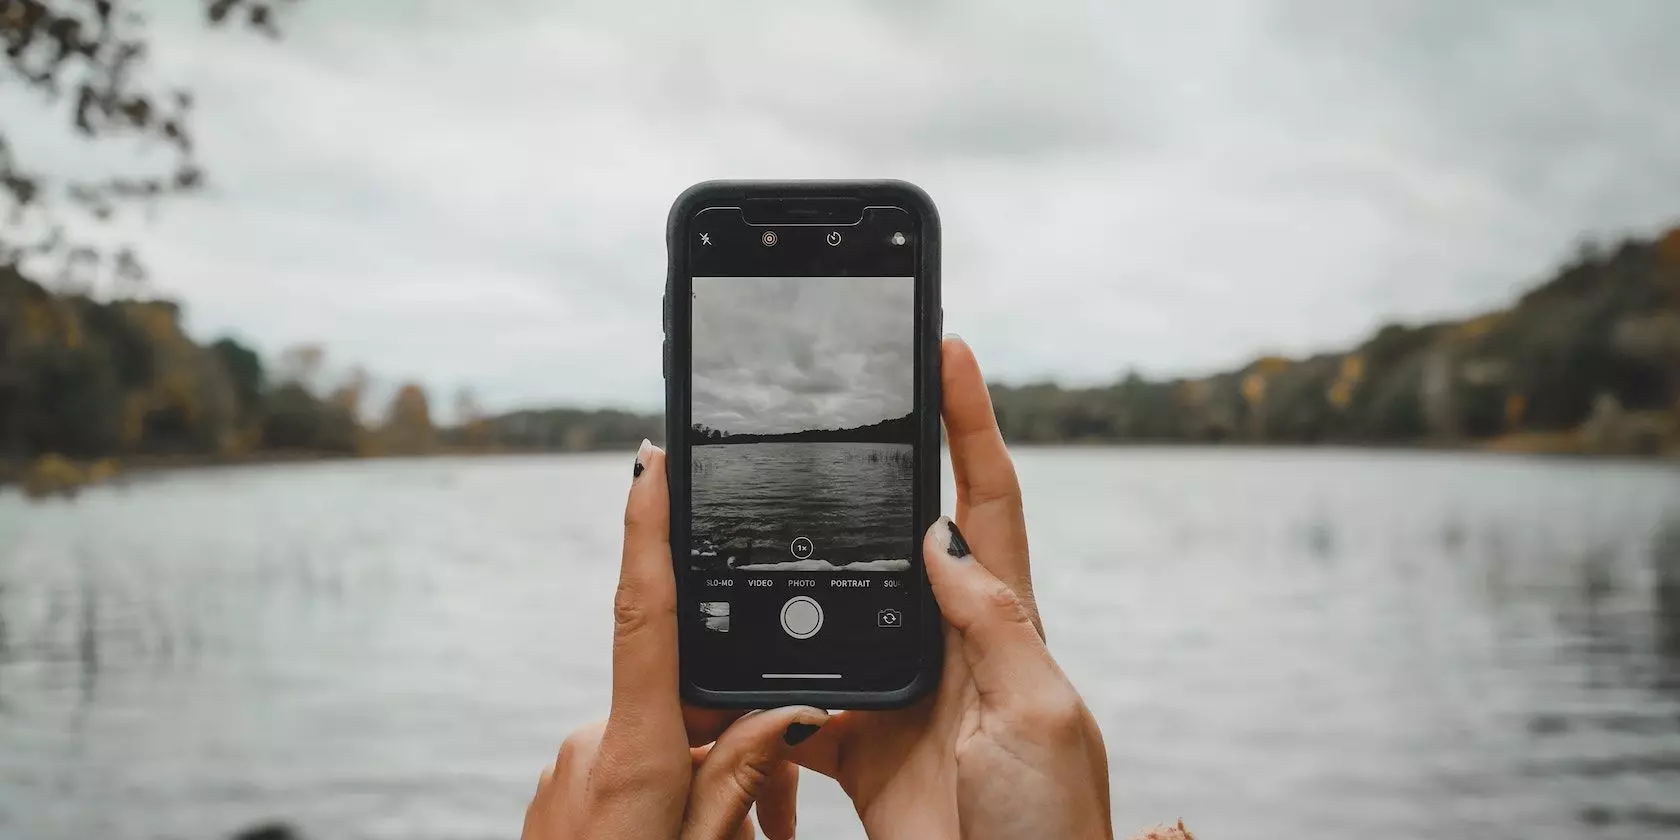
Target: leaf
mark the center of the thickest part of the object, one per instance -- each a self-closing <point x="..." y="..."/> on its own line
<point x="138" y="110"/>
<point x="87" y="101"/>
<point x="189" y="177"/>
<point x="177" y="135"/>
<point x="218" y="10"/>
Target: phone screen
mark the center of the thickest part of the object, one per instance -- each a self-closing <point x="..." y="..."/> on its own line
<point x="803" y="545"/>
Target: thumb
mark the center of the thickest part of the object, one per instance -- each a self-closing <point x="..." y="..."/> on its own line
<point x="1006" y="657"/>
<point x="740" y="767"/>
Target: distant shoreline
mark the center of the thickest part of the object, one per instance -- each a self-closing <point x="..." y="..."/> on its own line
<point x="1586" y="363"/>
<point x="13" y="472"/>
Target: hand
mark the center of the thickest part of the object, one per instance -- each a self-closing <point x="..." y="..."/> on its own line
<point x="639" y="775"/>
<point x="1005" y="748"/>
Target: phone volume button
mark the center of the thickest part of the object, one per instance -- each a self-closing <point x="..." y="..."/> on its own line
<point x="665" y="366"/>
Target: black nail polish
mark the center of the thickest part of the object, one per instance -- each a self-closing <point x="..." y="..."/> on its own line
<point x="637" y="473"/>
<point x="797" y="733"/>
<point x="959" y="546"/>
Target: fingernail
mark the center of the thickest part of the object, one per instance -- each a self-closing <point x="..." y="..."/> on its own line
<point x="797" y="733"/>
<point x="955" y="545"/>
<point x="640" y="451"/>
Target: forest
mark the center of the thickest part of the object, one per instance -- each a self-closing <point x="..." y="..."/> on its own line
<point x="890" y="430"/>
<point x="1587" y="362"/>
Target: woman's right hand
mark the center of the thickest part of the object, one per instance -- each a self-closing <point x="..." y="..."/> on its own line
<point x="1005" y="748"/>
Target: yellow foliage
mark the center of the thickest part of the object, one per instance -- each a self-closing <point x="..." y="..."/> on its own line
<point x="408" y="423"/>
<point x="157" y="321"/>
<point x="1341" y="393"/>
<point x="367" y="444"/>
<point x="55" y="475"/>
<point x="1514" y="406"/>
<point x="1477" y="327"/>
<point x="476" y="433"/>
<point x="51" y="475"/>
<point x="1192" y="392"/>
<point x="1668" y="247"/>
<point x="102" y="470"/>
<point x="1254" y="388"/>
<point x="38" y="321"/>
<point x="1353" y="367"/>
<point x="1271" y="365"/>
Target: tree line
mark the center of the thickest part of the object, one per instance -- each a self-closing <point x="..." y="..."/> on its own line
<point x="83" y="378"/>
<point x="1588" y="361"/>
<point x="890" y="430"/>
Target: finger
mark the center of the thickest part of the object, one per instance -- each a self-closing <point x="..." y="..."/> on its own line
<point x="988" y="491"/>
<point x="562" y="786"/>
<point x="705" y="725"/>
<point x="536" y="818"/>
<point x="776" y="803"/>
<point x="1006" y="657"/>
<point x="738" y="769"/>
<point x="576" y="756"/>
<point x="821" y="752"/>
<point x="536" y="813"/>
<point x="644" y="684"/>
<point x="745" y="830"/>
<point x="644" y="732"/>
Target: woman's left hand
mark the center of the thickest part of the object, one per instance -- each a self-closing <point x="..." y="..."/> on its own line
<point x="636" y="776"/>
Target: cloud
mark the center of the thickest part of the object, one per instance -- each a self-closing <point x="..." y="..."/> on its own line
<point x="442" y="193"/>
<point x="778" y="354"/>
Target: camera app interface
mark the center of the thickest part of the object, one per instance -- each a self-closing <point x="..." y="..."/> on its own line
<point x="802" y="441"/>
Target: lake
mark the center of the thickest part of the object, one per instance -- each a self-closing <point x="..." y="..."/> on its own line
<point x="852" y="501"/>
<point x="1304" y="644"/>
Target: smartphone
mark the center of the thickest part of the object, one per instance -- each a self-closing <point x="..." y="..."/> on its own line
<point x="802" y="326"/>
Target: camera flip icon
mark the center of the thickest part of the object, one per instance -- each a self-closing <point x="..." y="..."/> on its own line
<point x="889" y="618"/>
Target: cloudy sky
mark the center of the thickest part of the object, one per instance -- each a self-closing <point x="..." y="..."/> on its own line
<point x="777" y="354"/>
<point x="476" y="192"/>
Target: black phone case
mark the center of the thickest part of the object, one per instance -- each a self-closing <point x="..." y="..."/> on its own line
<point x="930" y="325"/>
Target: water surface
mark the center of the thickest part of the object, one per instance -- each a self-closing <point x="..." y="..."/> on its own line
<point x="852" y="501"/>
<point x="1278" y="644"/>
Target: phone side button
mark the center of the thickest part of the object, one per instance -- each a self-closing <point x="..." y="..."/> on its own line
<point x="665" y="364"/>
